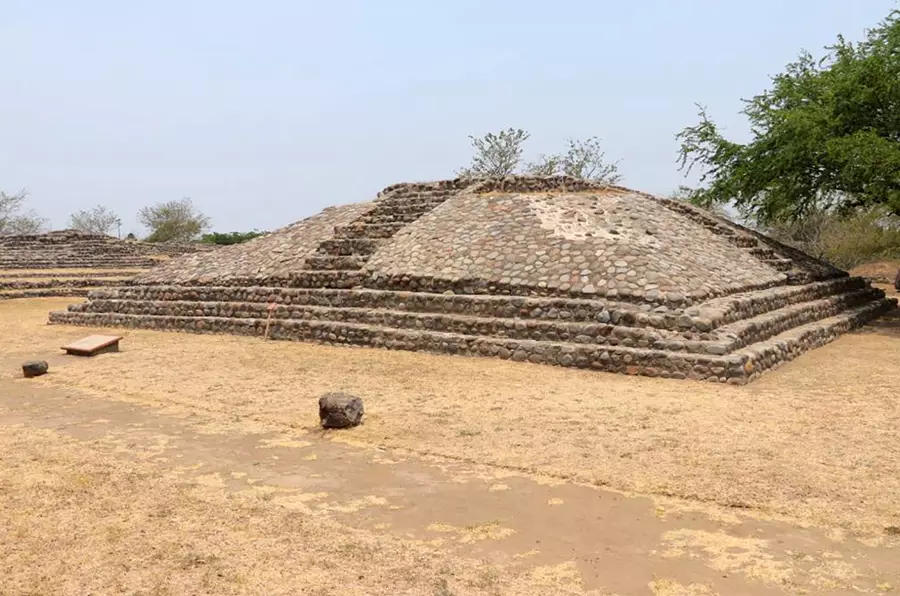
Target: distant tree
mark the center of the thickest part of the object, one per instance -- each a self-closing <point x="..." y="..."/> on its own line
<point x="231" y="237"/>
<point x="173" y="221"/>
<point x="496" y="155"/>
<point x="12" y="221"/>
<point x="825" y="137"/>
<point x="584" y="159"/>
<point x="96" y="220"/>
<point x="130" y="236"/>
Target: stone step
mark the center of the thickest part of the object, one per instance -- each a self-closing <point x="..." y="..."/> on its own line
<point x="762" y="327"/>
<point x="408" y="204"/>
<point x="480" y="305"/>
<point x="348" y="246"/>
<point x="72" y="264"/>
<point x="20" y="273"/>
<point x="780" y="264"/>
<point x="532" y="329"/>
<point x="418" y="195"/>
<point x="375" y="231"/>
<point x="784" y="347"/>
<point x="303" y="279"/>
<point x="333" y="262"/>
<point x="718" y="342"/>
<point x="745" y="305"/>
<point x="693" y="324"/>
<point x="608" y="358"/>
<point x="763" y="253"/>
<point x="391" y="217"/>
<point x="738" y="367"/>
<point x="56" y="282"/>
<point x="309" y="279"/>
<point x="44" y="293"/>
<point x="744" y="241"/>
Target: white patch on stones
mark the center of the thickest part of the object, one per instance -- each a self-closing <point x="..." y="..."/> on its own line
<point x="580" y="217"/>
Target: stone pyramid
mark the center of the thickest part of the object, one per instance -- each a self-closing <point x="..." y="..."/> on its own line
<point x="549" y="270"/>
<point x="72" y="263"/>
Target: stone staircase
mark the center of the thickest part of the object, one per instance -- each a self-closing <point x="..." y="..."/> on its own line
<point x="780" y="257"/>
<point x="396" y="208"/>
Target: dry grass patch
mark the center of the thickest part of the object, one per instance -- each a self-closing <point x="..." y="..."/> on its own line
<point x="75" y="522"/>
<point x="815" y="440"/>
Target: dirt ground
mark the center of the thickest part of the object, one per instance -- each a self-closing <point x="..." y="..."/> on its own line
<point x="881" y="272"/>
<point x="192" y="464"/>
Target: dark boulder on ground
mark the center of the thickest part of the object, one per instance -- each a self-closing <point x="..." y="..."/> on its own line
<point x="35" y="368"/>
<point x="340" y="410"/>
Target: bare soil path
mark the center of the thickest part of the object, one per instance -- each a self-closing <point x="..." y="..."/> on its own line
<point x="109" y="487"/>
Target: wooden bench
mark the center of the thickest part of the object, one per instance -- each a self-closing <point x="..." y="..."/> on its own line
<point x="93" y="345"/>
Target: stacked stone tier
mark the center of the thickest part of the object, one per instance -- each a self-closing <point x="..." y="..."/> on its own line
<point x="725" y="339"/>
<point x="72" y="249"/>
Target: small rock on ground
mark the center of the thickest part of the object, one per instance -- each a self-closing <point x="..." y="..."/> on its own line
<point x="35" y="368"/>
<point x="340" y="410"/>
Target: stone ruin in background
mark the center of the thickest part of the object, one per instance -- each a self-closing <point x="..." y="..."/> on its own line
<point x="543" y="270"/>
<point x="70" y="263"/>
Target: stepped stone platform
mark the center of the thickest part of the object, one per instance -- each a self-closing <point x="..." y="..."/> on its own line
<point x="548" y="270"/>
<point x="71" y="263"/>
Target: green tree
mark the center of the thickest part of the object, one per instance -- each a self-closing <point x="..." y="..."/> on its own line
<point x="825" y="137"/>
<point x="96" y="220"/>
<point x="173" y="221"/>
<point x="12" y="220"/>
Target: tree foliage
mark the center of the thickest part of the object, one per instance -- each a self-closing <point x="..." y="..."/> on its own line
<point x="496" y="155"/>
<point x="500" y="154"/>
<point x="173" y="221"/>
<point x="225" y="239"/>
<point x="96" y="220"/>
<point x="13" y="220"/>
<point x="826" y="136"/>
<point x="583" y="159"/>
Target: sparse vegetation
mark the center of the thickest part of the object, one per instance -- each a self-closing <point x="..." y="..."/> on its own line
<point x="500" y="154"/>
<point x="173" y="221"/>
<point x="12" y="218"/>
<point x="845" y="241"/>
<point x="96" y="220"/>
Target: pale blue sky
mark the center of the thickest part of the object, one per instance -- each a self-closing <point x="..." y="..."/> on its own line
<point x="265" y="112"/>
